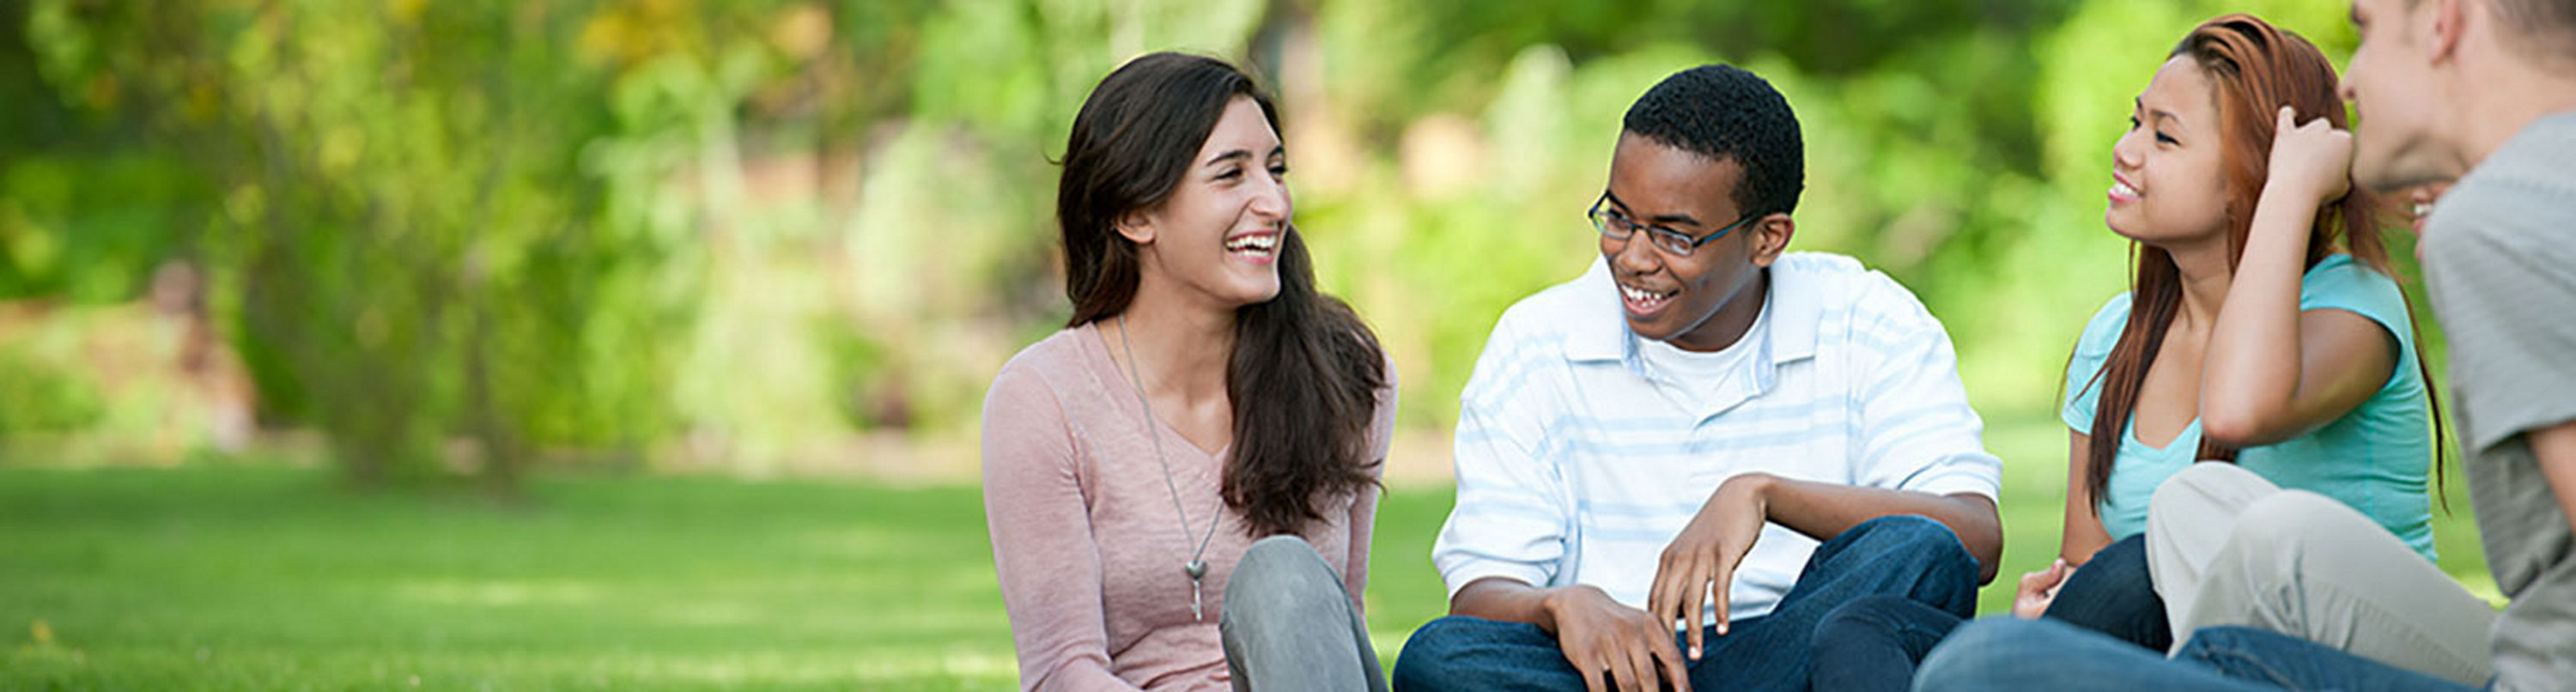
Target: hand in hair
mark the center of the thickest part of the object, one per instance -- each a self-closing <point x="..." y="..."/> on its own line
<point x="2313" y="159"/>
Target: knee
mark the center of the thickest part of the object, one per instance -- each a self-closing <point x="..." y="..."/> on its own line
<point x="1905" y="532"/>
<point x="1914" y="541"/>
<point x="2224" y="647"/>
<point x="2122" y="565"/>
<point x="2278" y="530"/>
<point x="1279" y="557"/>
<point x="2201" y="504"/>
<point x="1433" y="657"/>
<point x="2200" y="486"/>
<point x="1974" y="656"/>
<point x="1279" y="575"/>
<point x="2291" y="520"/>
<point x="2206" y="640"/>
<point x="1861" y="619"/>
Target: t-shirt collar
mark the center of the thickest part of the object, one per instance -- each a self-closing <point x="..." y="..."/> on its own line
<point x="1602" y="334"/>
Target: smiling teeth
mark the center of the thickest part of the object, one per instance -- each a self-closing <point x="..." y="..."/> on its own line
<point x="1262" y="242"/>
<point x="2123" y="189"/>
<point x="1643" y="296"/>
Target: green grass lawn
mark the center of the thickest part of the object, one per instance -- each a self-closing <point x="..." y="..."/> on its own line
<point x="274" y="578"/>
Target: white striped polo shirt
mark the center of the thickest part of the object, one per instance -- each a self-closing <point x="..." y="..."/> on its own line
<point x="1578" y="460"/>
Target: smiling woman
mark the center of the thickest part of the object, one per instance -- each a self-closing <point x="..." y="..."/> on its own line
<point x="2263" y="330"/>
<point x="1203" y="396"/>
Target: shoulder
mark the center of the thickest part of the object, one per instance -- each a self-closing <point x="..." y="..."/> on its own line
<point x="2535" y="160"/>
<point x="1556" y="309"/>
<point x="1043" y="371"/>
<point x="2340" y="273"/>
<point x="1836" y="278"/>
<point x="1846" y="303"/>
<point x="1382" y="413"/>
<point x="2103" y="329"/>
<point x="1034" y="414"/>
<point x="1840" y="285"/>
<point x="2342" y="282"/>
<point x="2514" y="204"/>
<point x="2495" y="222"/>
<point x="1541" y="323"/>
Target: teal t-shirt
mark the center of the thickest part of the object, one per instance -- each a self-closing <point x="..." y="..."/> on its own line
<point x="2375" y="459"/>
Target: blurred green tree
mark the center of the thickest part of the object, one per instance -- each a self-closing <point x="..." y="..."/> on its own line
<point x="460" y="237"/>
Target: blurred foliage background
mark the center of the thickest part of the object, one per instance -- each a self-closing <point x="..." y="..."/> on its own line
<point x="456" y="240"/>
<point x="535" y="247"/>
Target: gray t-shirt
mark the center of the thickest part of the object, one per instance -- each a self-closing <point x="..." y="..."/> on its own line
<point x="2500" y="260"/>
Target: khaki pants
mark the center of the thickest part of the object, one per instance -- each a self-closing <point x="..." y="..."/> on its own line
<point x="2226" y="547"/>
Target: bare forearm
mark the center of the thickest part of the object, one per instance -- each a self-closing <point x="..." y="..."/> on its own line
<point x="1504" y="600"/>
<point x="2251" y="371"/>
<point x="2555" y="450"/>
<point x="1825" y="510"/>
<point x="2084" y="536"/>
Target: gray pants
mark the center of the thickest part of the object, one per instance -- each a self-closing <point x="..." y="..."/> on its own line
<point x="2226" y="547"/>
<point x="1289" y="625"/>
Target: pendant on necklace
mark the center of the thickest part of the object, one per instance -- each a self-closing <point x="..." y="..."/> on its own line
<point x="1196" y="569"/>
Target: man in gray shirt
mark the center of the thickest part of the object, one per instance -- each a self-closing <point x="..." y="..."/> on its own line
<point x="2482" y="92"/>
<point x="2500" y="261"/>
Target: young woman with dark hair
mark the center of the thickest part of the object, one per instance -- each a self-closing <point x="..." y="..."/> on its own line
<point x="1207" y="423"/>
<point x="2262" y="330"/>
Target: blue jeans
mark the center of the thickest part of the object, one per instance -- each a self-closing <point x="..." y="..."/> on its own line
<point x="2113" y="594"/>
<point x="2009" y="654"/>
<point x="1288" y="624"/>
<point x="1907" y="556"/>
<point x="1874" y="642"/>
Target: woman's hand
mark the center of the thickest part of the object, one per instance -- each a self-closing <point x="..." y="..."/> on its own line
<point x="2038" y="589"/>
<point x="1602" y="638"/>
<point x="2313" y="160"/>
<point x="1700" y="563"/>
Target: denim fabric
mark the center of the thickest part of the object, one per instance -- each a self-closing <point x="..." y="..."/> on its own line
<point x="1905" y="556"/>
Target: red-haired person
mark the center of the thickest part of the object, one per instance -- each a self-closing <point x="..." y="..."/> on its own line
<point x="2304" y="593"/>
<point x="2263" y="336"/>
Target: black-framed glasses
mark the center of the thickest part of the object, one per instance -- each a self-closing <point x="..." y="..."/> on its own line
<point x="1618" y="226"/>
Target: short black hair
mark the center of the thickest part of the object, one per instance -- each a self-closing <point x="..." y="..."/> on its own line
<point x="1724" y="112"/>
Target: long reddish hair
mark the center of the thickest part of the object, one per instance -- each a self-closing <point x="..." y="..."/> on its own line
<point x="2253" y="68"/>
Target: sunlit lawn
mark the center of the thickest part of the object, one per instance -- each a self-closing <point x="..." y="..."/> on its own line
<point x="273" y="578"/>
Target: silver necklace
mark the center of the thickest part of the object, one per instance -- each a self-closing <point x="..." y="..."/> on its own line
<point x="1196" y="568"/>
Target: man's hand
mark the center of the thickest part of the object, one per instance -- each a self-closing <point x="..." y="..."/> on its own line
<point x="1700" y="563"/>
<point x="1600" y="636"/>
<point x="2038" y="589"/>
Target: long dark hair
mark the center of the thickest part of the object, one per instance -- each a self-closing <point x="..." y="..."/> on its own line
<point x="2254" y="68"/>
<point x="1305" y="370"/>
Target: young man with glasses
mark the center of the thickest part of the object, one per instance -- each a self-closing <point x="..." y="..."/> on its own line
<point x="1702" y="434"/>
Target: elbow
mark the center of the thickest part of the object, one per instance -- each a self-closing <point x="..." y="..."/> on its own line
<point x="2238" y="428"/>
<point x="1981" y="533"/>
<point x="1989" y="554"/>
<point x="2226" y="427"/>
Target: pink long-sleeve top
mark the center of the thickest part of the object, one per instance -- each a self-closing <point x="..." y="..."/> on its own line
<point x="1085" y="537"/>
